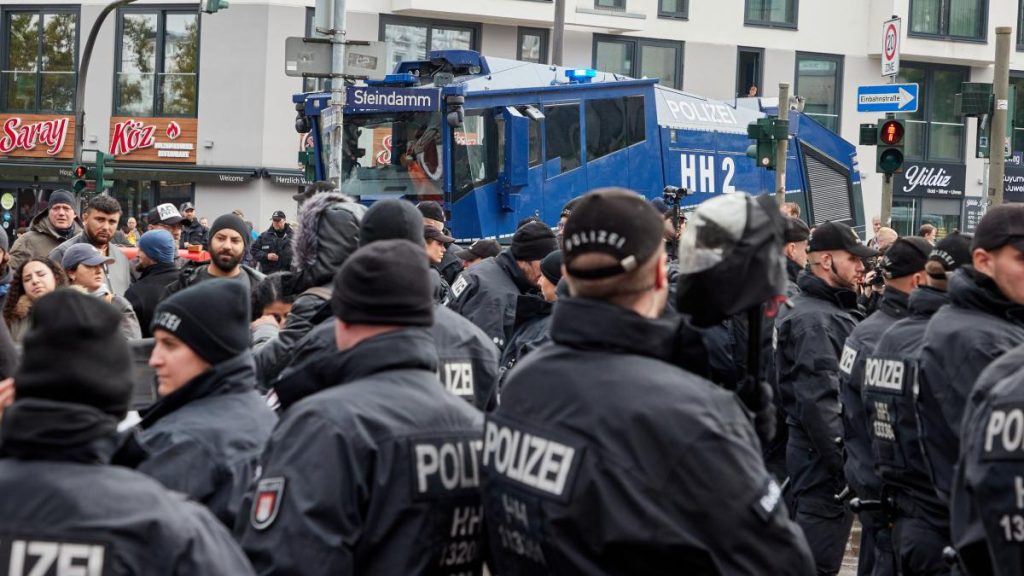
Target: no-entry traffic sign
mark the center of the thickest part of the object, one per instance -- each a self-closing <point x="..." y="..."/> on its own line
<point x="891" y="47"/>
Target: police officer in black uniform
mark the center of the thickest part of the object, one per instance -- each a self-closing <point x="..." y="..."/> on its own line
<point x="902" y="267"/>
<point x="985" y="318"/>
<point x="921" y="521"/>
<point x="376" y="474"/>
<point x="273" y="249"/>
<point x="486" y="294"/>
<point x="451" y="265"/>
<point x="809" y="342"/>
<point x="603" y="457"/>
<point x="70" y="503"/>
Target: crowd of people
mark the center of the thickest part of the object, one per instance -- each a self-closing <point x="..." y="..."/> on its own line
<point x="636" y="391"/>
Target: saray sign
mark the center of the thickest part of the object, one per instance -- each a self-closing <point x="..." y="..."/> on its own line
<point x="37" y="136"/>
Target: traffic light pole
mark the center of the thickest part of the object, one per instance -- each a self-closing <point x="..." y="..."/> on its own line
<point x="558" y="37"/>
<point x="887" y="180"/>
<point x="337" y="90"/>
<point x="783" y="147"/>
<point x="997" y="142"/>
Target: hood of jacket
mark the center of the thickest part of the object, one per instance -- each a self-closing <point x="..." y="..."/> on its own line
<point x="232" y="376"/>
<point x="327" y="236"/>
<point x="38" y="429"/>
<point x="971" y="289"/>
<point x="925" y="301"/>
<point x="41" y="223"/>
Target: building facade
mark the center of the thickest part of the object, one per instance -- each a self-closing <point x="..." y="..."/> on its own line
<point x="197" y="107"/>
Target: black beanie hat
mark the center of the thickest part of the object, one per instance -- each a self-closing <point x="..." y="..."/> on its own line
<point x="387" y="282"/>
<point x="551" y="267"/>
<point x="391" y="220"/>
<point x="231" y="222"/>
<point x="211" y="317"/>
<point x="533" y="241"/>
<point x="75" y="353"/>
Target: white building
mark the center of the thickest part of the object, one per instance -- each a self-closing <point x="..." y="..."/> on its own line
<point x="220" y="79"/>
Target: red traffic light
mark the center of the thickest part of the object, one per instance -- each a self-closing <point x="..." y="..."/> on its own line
<point x="81" y="171"/>
<point x="891" y="132"/>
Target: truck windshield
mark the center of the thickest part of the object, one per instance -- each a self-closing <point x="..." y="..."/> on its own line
<point x="392" y="154"/>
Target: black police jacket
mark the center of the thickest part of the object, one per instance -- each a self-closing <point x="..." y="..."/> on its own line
<point x="603" y="458"/>
<point x="206" y="437"/>
<point x="860" y="463"/>
<point x="809" y="342"/>
<point x="978" y="326"/>
<point x="793" y="271"/>
<point x="467" y="361"/>
<point x="486" y="294"/>
<point x="273" y="242"/>
<point x="192" y="232"/>
<point x="148" y="291"/>
<point x="309" y="309"/>
<point x="451" y="265"/>
<point x="65" y="505"/>
<point x="888" y="392"/>
<point x="377" y="474"/>
<point x="988" y="495"/>
<point x="532" y="329"/>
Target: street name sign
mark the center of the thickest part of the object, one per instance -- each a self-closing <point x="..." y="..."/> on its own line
<point x="887" y="98"/>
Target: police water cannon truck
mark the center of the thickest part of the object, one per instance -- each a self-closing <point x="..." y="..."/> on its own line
<point x="497" y="140"/>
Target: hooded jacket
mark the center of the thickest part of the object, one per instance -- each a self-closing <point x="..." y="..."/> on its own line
<point x="396" y="484"/>
<point x="604" y="458"/>
<point x="272" y="241"/>
<point x="328" y="235"/>
<point x="978" y="326"/>
<point x="62" y="497"/>
<point x="40" y="239"/>
<point x="206" y="437"/>
<point x="487" y="293"/>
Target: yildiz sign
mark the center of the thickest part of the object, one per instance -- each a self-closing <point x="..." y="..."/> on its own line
<point x="931" y="180"/>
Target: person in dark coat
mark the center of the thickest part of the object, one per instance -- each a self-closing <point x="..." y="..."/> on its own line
<point x="902" y="268"/>
<point x="486" y="294"/>
<point x="609" y="421"/>
<point x="809" y="345"/>
<point x="477" y="252"/>
<point x="327" y="235"/>
<point x="273" y="249"/>
<point x="157" y="252"/>
<point x="193" y="233"/>
<point x="403" y="450"/>
<point x="533" y="313"/>
<point x="48" y="229"/>
<point x="229" y="242"/>
<point x="209" y="427"/>
<point x="450" y="265"/>
<point x="71" y="502"/>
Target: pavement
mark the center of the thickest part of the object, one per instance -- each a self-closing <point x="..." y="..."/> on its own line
<point x="852" y="550"/>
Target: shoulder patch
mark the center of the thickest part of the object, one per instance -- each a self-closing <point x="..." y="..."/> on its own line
<point x="267" y="503"/>
<point x="766" y="503"/>
<point x="459" y="286"/>
<point x="849" y="357"/>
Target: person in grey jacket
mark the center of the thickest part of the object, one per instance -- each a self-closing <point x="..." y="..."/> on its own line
<point x="206" y="432"/>
<point x="101" y="218"/>
<point x="84" y="266"/>
<point x="48" y="229"/>
<point x="71" y="502"/>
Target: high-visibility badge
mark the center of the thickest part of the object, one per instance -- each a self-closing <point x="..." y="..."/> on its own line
<point x="267" y="502"/>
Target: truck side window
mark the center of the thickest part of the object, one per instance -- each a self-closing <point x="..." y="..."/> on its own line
<point x="606" y="132"/>
<point x="563" y="134"/>
<point x="475" y="150"/>
<point x="636" y="124"/>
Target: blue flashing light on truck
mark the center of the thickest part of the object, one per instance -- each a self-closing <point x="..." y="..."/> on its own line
<point x="497" y="140"/>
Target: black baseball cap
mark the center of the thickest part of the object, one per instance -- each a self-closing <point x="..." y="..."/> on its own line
<point x="613" y="221"/>
<point x="485" y="248"/>
<point x="187" y="206"/>
<point x="952" y="252"/>
<point x="165" y="214"/>
<point x="278" y="215"/>
<point x="1000" y="226"/>
<point x="906" y="256"/>
<point x="432" y="233"/>
<point x="432" y="210"/>
<point x="838" y="236"/>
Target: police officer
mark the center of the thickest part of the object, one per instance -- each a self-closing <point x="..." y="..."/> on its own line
<point x="377" y="473"/>
<point x="486" y="294"/>
<point x="193" y="233"/>
<point x="71" y="504"/>
<point x="809" y="343"/>
<point x="902" y="267"/>
<point x="795" y="249"/>
<point x="603" y="457"/>
<point x="533" y="313"/>
<point x="450" y="265"/>
<point x="468" y="360"/>
<point x="985" y="318"/>
<point x="477" y="252"/>
<point x="921" y="526"/>
<point x="273" y="249"/>
<point x="209" y="427"/>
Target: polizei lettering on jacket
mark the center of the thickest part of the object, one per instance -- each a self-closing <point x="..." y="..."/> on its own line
<point x="52" y="558"/>
<point x="528" y="459"/>
<point x="1004" y="433"/>
<point x="50" y="133"/>
<point x="884" y="374"/>
<point x="445" y="465"/>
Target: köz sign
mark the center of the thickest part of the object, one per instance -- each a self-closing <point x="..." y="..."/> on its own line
<point x="153" y="139"/>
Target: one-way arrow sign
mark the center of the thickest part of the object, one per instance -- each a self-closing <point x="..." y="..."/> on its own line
<point x="887" y="98"/>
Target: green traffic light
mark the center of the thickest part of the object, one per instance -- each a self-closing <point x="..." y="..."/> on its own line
<point x="890" y="160"/>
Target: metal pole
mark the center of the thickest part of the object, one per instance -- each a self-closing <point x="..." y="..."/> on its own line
<point x="322" y="19"/>
<point x="783" y="147"/>
<point x="83" y="72"/>
<point x="337" y="90"/>
<point x="1001" y="84"/>
<point x="558" y="38"/>
<point x="887" y="182"/>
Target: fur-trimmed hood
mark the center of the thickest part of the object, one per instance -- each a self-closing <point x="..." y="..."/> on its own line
<point x="328" y="234"/>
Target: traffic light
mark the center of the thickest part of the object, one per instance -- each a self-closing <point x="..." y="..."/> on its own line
<point x="768" y="132"/>
<point x="81" y="173"/>
<point x="211" y="6"/>
<point x="889" y="154"/>
<point x="104" y="174"/>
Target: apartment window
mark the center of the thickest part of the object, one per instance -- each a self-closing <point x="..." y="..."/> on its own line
<point x="776" y="13"/>
<point x="956" y="19"/>
<point x="533" y="45"/>
<point x="157" y="63"/>
<point x="673" y="9"/>
<point x="38" y="73"/>
<point x="610" y="4"/>
<point x="1020" y="22"/>
<point x="415" y="38"/>
<point x="819" y="79"/>
<point x="749" y="72"/>
<point x="640" y="58"/>
<point x="934" y="132"/>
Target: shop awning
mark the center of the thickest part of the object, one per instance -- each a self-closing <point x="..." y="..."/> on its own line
<point x="21" y="169"/>
<point x="285" y="177"/>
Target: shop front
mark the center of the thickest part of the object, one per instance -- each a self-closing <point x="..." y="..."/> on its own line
<point x="929" y="193"/>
